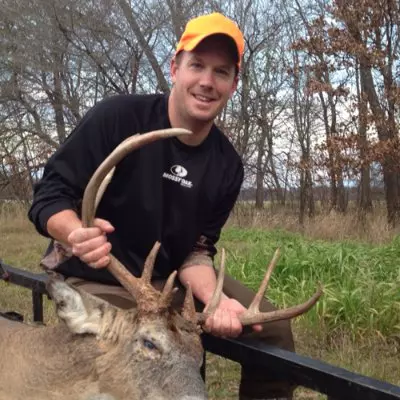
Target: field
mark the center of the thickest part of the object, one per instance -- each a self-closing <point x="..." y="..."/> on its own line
<point x="356" y="324"/>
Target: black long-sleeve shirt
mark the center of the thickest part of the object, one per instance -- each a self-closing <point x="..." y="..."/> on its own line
<point x="165" y="191"/>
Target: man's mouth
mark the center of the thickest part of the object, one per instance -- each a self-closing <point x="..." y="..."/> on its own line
<point x="203" y="99"/>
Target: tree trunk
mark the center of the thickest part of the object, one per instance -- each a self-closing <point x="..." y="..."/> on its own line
<point x="307" y="204"/>
<point x="57" y="104"/>
<point x="259" y="189"/>
<point x="390" y="179"/>
<point x="302" y="205"/>
<point x="385" y="126"/>
<point x="386" y="131"/>
<point x="364" y="197"/>
<point x="310" y="194"/>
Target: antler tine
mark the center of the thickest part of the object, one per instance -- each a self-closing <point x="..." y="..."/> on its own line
<point x="189" y="309"/>
<point x="210" y="308"/>
<point x="253" y="314"/>
<point x="149" y="263"/>
<point x="255" y="304"/>
<point x="256" y="318"/>
<point x="168" y="291"/>
<point x="216" y="297"/>
<point x="95" y="189"/>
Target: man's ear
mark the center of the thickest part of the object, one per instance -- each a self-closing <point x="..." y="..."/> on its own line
<point x="173" y="68"/>
<point x="82" y="312"/>
<point x="234" y="84"/>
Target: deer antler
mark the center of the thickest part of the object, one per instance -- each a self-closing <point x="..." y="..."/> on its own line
<point x="147" y="298"/>
<point x="253" y="314"/>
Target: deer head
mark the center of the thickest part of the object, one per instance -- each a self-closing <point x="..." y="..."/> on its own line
<point x="149" y="352"/>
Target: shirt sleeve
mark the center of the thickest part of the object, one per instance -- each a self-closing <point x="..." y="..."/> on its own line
<point x="202" y="254"/>
<point x="205" y="246"/>
<point x="68" y="171"/>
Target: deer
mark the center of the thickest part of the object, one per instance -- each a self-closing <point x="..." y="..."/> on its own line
<point x="100" y="352"/>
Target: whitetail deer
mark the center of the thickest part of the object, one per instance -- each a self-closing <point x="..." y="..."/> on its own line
<point x="100" y="352"/>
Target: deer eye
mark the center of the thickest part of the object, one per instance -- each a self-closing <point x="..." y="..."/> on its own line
<point x="150" y="345"/>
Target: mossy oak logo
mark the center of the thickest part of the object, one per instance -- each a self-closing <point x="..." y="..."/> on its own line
<point x="177" y="174"/>
<point x="178" y="170"/>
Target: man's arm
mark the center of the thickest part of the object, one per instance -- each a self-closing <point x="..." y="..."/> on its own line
<point x="198" y="272"/>
<point x="202" y="280"/>
<point x="61" y="224"/>
<point x="67" y="172"/>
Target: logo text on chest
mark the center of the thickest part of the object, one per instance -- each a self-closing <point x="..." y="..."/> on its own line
<point x="177" y="174"/>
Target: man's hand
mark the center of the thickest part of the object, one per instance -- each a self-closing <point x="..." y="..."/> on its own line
<point x="91" y="244"/>
<point x="225" y="322"/>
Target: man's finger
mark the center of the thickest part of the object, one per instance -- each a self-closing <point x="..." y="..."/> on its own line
<point x="83" y="234"/>
<point x="226" y="324"/>
<point x="257" y="328"/>
<point x="102" y="263"/>
<point x="208" y="325"/>
<point x="104" y="225"/>
<point x="236" y="326"/>
<point x="94" y="256"/>
<point x="80" y="249"/>
<point x="216" y="323"/>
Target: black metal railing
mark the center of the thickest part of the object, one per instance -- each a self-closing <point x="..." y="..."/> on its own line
<point x="34" y="282"/>
<point x="337" y="383"/>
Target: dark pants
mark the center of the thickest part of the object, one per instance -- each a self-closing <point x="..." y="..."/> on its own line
<point x="255" y="383"/>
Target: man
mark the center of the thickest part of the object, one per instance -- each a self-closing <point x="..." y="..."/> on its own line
<point x="179" y="191"/>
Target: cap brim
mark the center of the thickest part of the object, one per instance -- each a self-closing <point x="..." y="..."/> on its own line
<point x="196" y="41"/>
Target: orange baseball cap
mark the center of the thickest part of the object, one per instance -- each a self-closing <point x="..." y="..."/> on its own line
<point x="201" y="27"/>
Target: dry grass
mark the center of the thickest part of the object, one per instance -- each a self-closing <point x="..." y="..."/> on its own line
<point x="332" y="226"/>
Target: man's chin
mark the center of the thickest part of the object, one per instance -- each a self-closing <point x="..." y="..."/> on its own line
<point x="204" y="117"/>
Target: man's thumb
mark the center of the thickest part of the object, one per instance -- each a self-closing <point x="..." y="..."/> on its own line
<point x="104" y="225"/>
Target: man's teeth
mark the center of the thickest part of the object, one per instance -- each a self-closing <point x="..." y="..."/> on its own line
<point x="202" y="98"/>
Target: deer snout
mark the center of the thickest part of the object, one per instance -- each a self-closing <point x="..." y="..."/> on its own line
<point x="185" y="384"/>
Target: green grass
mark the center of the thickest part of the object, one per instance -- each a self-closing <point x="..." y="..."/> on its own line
<point x="361" y="282"/>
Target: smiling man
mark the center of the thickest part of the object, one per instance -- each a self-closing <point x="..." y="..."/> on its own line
<point x="179" y="191"/>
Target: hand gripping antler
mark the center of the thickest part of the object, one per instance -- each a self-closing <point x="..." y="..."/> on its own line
<point x="253" y="314"/>
<point x="147" y="298"/>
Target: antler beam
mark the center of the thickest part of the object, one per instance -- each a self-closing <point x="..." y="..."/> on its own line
<point x="140" y="288"/>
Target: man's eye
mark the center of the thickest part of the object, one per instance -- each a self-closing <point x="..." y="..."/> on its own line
<point x="150" y="345"/>
<point x="222" y="72"/>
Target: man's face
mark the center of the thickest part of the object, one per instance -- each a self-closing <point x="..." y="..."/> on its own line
<point x="204" y="80"/>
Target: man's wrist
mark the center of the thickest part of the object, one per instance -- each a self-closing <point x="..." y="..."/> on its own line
<point x="202" y="280"/>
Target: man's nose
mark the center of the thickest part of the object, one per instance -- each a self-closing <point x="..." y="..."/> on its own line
<point x="207" y="79"/>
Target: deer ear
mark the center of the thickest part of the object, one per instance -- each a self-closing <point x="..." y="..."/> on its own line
<point x="82" y="312"/>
